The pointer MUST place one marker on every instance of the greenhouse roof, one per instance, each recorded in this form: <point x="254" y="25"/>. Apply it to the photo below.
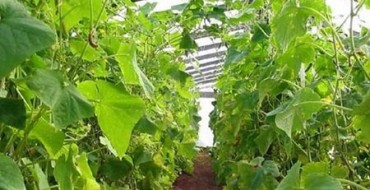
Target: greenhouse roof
<point x="206" y="63"/>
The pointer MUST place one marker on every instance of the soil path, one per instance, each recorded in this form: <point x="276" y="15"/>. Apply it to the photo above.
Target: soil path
<point x="203" y="177"/>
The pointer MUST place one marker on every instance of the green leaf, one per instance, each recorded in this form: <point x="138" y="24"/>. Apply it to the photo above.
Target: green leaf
<point x="320" y="181"/>
<point x="363" y="107"/>
<point x="301" y="108"/>
<point x="126" y="57"/>
<point x="251" y="178"/>
<point x="243" y="16"/>
<point x="13" y="112"/>
<point x="65" y="172"/>
<point x="146" y="126"/>
<point x="260" y="32"/>
<point x="270" y="167"/>
<point x="295" y="16"/>
<point x="339" y="171"/>
<point x="10" y="175"/>
<point x="285" y="121"/>
<point x="315" y="167"/>
<point x="264" y="139"/>
<point x="132" y="74"/>
<point x="144" y="22"/>
<point x="361" y="123"/>
<point x="115" y="169"/>
<point x="42" y="179"/>
<point x="234" y="56"/>
<point x="77" y="48"/>
<point x="291" y="181"/>
<point x="187" y="42"/>
<point x="147" y="8"/>
<point x="88" y="180"/>
<point x="20" y="35"/>
<point x="67" y="104"/>
<point x="74" y="11"/>
<point x="290" y="15"/>
<point x="178" y="75"/>
<point x="49" y="136"/>
<point x="294" y="56"/>
<point x="117" y="111"/>
<point x="367" y="3"/>
<point x="187" y="150"/>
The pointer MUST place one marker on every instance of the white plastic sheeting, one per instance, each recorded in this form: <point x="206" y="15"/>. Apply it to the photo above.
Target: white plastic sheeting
<point x="205" y="133"/>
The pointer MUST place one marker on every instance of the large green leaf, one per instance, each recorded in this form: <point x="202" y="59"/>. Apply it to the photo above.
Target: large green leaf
<point x="117" y="111"/>
<point x="363" y="107"/>
<point x="41" y="178"/>
<point x="294" y="56"/>
<point x="187" y="150"/>
<point x="321" y="181"/>
<point x="116" y="169"/>
<point x="264" y="139"/>
<point x="251" y="178"/>
<point x="361" y="123"/>
<point x="291" y="181"/>
<point x="132" y="74"/>
<point x="301" y="108"/>
<point x="65" y="172"/>
<point x="13" y="112"/>
<point x="20" y="35"/>
<point x="87" y="180"/>
<point x="187" y="42"/>
<point x="67" y="104"/>
<point x="315" y="167"/>
<point x="89" y="54"/>
<point x="50" y="137"/>
<point x="295" y="15"/>
<point x="290" y="15"/>
<point x="233" y="55"/>
<point x="74" y="11"/>
<point x="271" y="167"/>
<point x="10" y="175"/>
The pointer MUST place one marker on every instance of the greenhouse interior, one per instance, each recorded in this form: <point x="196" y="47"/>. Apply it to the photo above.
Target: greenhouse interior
<point x="184" y="94"/>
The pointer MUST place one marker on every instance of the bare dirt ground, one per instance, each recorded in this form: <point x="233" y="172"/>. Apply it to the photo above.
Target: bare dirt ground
<point x="203" y="177"/>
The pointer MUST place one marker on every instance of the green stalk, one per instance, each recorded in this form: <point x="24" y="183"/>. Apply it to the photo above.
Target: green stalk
<point x="351" y="183"/>
<point x="92" y="27"/>
<point x="353" y="53"/>
<point x="27" y="131"/>
<point x="325" y="103"/>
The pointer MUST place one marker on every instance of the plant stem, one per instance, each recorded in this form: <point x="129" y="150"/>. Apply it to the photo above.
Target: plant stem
<point x="325" y="103"/>
<point x="92" y="27"/>
<point x="27" y="131"/>
<point x="329" y="23"/>
<point x="353" y="53"/>
<point x="351" y="183"/>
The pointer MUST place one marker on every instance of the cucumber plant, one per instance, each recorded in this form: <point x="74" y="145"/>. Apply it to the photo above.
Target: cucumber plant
<point x="291" y="104"/>
<point x="91" y="99"/>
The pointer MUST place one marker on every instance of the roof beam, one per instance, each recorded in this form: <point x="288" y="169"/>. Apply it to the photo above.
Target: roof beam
<point x="205" y="64"/>
<point x="206" y="81"/>
<point x="205" y="75"/>
<point x="206" y="56"/>
<point x="208" y="78"/>
<point x="202" y="70"/>
<point x="210" y="46"/>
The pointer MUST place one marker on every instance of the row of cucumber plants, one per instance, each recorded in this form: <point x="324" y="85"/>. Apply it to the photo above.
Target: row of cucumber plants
<point x="292" y="103"/>
<point x="93" y="95"/>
